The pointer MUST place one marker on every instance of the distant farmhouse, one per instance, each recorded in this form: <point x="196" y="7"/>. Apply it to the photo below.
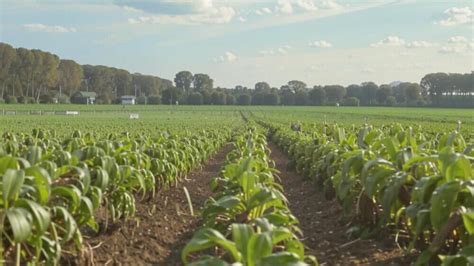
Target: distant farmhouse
<point x="84" y="97"/>
<point x="128" y="99"/>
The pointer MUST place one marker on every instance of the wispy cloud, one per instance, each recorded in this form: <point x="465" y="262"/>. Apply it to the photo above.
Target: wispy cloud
<point x="284" y="7"/>
<point x="282" y="50"/>
<point x="457" y="16"/>
<point x="389" y="41"/>
<point x="330" y="4"/>
<point x="204" y="12"/>
<point x="47" y="28"/>
<point x="450" y="50"/>
<point x="307" y="5"/>
<point x="320" y="44"/>
<point x="227" y="57"/>
<point x="131" y="9"/>
<point x="457" y="39"/>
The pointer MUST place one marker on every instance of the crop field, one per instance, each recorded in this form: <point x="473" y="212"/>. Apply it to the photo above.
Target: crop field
<point x="217" y="185"/>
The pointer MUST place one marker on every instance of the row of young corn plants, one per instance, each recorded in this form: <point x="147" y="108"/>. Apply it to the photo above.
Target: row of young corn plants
<point x="247" y="221"/>
<point x="418" y="185"/>
<point x="53" y="189"/>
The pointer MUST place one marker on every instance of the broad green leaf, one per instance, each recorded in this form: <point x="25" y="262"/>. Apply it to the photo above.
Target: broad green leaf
<point x="282" y="258"/>
<point x="241" y="234"/>
<point x="442" y="203"/>
<point x="259" y="246"/>
<point x="20" y="222"/>
<point x="40" y="215"/>
<point x="11" y="185"/>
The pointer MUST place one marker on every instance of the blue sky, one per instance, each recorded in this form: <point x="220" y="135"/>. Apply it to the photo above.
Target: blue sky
<point x="241" y="42"/>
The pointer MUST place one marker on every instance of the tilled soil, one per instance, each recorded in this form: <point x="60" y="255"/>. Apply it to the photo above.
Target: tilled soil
<point x="160" y="228"/>
<point x="324" y="233"/>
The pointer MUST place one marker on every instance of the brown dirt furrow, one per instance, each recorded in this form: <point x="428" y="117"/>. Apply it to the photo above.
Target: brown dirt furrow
<point x="161" y="227"/>
<point x="324" y="233"/>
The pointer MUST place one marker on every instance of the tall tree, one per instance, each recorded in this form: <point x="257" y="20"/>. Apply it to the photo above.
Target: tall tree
<point x="317" y="96"/>
<point x="383" y="93"/>
<point x="334" y="93"/>
<point x="271" y="98"/>
<point x="202" y="82"/>
<point x="287" y="96"/>
<point x="258" y="98"/>
<point x="296" y="85"/>
<point x="48" y="75"/>
<point x="70" y="76"/>
<point x="7" y="60"/>
<point x="412" y="93"/>
<point x="301" y="97"/>
<point x="368" y="94"/>
<point x="183" y="80"/>
<point x="262" y="87"/>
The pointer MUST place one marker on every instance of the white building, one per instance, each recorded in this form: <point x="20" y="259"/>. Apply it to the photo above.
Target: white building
<point x="127" y="99"/>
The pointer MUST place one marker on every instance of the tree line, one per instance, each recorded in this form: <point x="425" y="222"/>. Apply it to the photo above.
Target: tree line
<point x="34" y="76"/>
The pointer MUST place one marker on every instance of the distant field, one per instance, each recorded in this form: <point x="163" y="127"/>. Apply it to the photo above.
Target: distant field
<point x="163" y="116"/>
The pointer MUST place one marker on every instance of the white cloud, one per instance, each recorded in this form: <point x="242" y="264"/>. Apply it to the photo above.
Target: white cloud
<point x="266" y="10"/>
<point x="241" y="19"/>
<point x="48" y="28"/>
<point x="307" y="5"/>
<point x="131" y="9"/>
<point x="284" y="6"/>
<point x="320" y="44"/>
<point x="457" y="39"/>
<point x="389" y="41"/>
<point x="457" y="16"/>
<point x="419" y="44"/>
<point x="330" y="4"/>
<point x="282" y="50"/>
<point x="263" y="11"/>
<point x="206" y="13"/>
<point x="227" y="57"/>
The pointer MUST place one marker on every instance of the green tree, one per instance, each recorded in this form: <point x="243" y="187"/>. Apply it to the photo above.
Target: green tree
<point x="334" y="93"/>
<point x="7" y="62"/>
<point x="257" y="98"/>
<point x="202" y="82"/>
<point x="383" y="93"/>
<point x="301" y="97"/>
<point x="271" y="98"/>
<point x="351" y="101"/>
<point x="230" y="99"/>
<point x="317" y="96"/>
<point x="183" y="80"/>
<point x="287" y="96"/>
<point x="412" y="93"/>
<point x="244" y="99"/>
<point x="195" y="98"/>
<point x="171" y="96"/>
<point x="218" y="98"/>
<point x="154" y="99"/>
<point x="70" y="76"/>
<point x="262" y="87"/>
<point x="368" y="94"/>
<point x="296" y="85"/>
